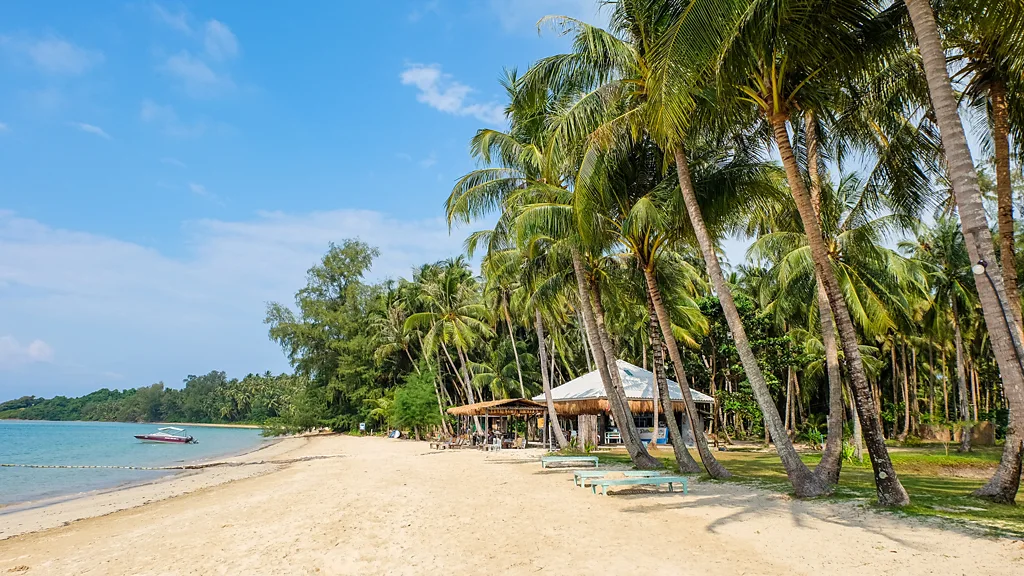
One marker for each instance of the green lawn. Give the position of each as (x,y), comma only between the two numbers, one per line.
(929,474)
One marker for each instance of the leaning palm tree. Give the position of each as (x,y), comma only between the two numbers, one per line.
(526,162)
(780,57)
(999,319)
(636,67)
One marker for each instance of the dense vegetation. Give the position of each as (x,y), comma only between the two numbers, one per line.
(877,302)
(213,398)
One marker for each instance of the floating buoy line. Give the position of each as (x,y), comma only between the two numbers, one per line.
(179,467)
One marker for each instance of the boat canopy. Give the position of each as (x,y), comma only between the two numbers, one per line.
(171,428)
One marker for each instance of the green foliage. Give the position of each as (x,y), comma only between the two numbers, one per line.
(415,404)
(211,398)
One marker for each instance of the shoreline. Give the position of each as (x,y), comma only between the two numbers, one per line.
(190,424)
(32,516)
(350,505)
(162,476)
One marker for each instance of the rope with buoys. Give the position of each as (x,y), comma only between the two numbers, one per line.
(179,467)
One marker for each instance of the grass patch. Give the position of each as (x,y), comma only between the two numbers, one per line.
(939,483)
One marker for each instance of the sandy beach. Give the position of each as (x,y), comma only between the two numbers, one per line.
(378,506)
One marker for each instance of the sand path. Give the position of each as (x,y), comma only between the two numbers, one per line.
(392,507)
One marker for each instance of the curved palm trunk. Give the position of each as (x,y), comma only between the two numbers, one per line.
(515,350)
(961,382)
(610,357)
(713,466)
(831,462)
(556,428)
(805,484)
(616,399)
(1004,331)
(684,460)
(890,491)
(1004,195)
(463,377)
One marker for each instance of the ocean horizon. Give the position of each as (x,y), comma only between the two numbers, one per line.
(99,444)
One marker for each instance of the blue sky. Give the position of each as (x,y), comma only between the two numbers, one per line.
(170,167)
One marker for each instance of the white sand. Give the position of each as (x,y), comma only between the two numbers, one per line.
(394,507)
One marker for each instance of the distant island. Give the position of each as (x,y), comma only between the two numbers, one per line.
(212,398)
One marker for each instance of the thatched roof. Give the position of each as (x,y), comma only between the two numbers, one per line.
(508,407)
(585,395)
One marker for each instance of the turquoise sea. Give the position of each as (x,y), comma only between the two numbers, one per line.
(94,444)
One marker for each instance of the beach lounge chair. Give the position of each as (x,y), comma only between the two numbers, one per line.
(583,477)
(545,461)
(655,481)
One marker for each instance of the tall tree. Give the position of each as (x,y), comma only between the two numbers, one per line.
(1005,332)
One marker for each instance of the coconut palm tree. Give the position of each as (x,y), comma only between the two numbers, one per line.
(455,315)
(1002,326)
(527,162)
(626,67)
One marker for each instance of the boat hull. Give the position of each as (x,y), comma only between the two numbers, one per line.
(154,439)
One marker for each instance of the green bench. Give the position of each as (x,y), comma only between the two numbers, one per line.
(581,477)
(604,483)
(545,460)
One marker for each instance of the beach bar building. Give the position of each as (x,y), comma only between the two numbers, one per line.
(498,415)
(582,406)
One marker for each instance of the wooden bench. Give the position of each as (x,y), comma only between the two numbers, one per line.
(604,483)
(545,460)
(581,477)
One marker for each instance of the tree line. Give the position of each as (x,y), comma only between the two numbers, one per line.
(826,132)
(211,398)
(875,303)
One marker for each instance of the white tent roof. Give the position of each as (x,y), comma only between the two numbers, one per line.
(637,382)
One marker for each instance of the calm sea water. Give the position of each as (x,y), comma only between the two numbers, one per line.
(95,444)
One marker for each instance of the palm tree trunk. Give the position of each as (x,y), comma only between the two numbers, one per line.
(664,322)
(515,350)
(961,383)
(787,419)
(804,483)
(832,456)
(440,406)
(1004,195)
(684,460)
(616,401)
(890,491)
(945,387)
(906,392)
(915,412)
(463,378)
(1004,332)
(556,428)
(858,433)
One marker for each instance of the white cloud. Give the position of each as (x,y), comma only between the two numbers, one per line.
(173,162)
(220,43)
(53,55)
(13,354)
(176,20)
(197,189)
(167,118)
(4,127)
(441,92)
(113,305)
(91,129)
(197,79)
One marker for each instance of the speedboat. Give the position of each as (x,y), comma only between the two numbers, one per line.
(168,435)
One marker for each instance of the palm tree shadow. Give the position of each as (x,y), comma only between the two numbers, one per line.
(758,504)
